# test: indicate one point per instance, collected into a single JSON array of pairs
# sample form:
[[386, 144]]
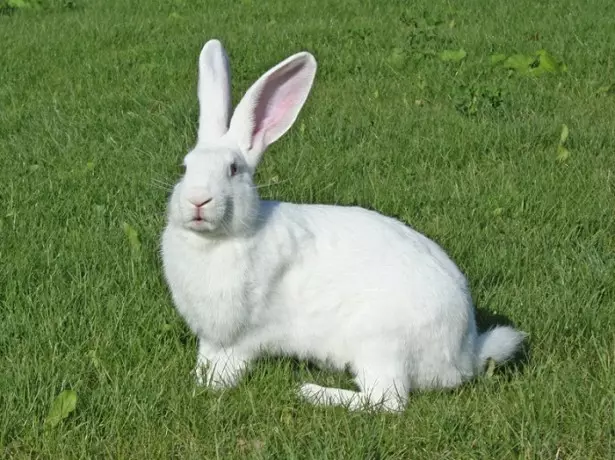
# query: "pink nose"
[[200, 203]]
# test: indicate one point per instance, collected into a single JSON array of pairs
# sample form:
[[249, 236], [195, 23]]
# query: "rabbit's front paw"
[[219, 372]]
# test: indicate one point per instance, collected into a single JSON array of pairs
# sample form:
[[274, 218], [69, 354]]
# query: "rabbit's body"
[[343, 286]]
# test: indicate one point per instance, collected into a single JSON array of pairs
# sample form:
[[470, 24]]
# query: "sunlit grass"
[[97, 108]]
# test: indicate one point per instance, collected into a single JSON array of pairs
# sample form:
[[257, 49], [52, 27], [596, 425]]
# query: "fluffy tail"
[[499, 344]]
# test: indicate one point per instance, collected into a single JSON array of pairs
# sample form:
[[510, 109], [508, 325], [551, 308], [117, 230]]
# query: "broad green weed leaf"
[[519, 62], [133, 237], [17, 4], [564, 135], [453, 55], [606, 89], [546, 64], [64, 404], [497, 58], [537, 64], [562, 153]]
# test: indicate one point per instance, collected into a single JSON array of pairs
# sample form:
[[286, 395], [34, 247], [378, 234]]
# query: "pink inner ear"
[[273, 116], [278, 103]]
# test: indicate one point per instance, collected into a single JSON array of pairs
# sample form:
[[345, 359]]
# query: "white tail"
[[499, 344]]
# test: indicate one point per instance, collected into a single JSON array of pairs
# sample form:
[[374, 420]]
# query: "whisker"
[[161, 181], [270, 184], [167, 186], [162, 187], [225, 227]]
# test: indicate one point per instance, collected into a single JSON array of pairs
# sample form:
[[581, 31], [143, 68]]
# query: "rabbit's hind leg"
[[377, 391]]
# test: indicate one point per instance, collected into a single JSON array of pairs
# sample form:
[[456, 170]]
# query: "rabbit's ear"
[[271, 105], [214, 91]]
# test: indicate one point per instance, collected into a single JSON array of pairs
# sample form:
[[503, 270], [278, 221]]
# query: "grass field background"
[[97, 108]]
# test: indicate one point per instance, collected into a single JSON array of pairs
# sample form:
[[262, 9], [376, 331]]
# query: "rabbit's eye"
[[233, 168]]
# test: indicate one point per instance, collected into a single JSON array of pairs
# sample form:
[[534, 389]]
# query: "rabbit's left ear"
[[214, 91], [271, 105]]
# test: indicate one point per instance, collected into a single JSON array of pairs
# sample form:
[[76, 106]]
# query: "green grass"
[[97, 108]]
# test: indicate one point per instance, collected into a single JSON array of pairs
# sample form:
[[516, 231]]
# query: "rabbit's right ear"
[[214, 91]]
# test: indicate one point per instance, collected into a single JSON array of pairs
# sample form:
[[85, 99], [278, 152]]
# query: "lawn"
[[438, 113]]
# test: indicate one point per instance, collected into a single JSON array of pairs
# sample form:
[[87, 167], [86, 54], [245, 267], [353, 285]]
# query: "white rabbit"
[[338, 285]]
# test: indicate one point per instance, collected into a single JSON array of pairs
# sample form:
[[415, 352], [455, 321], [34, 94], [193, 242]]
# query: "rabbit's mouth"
[[199, 224], [198, 218]]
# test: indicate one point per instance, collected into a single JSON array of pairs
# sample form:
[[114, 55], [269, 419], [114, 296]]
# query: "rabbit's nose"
[[199, 202]]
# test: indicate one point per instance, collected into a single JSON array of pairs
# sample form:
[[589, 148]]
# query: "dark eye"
[[233, 168]]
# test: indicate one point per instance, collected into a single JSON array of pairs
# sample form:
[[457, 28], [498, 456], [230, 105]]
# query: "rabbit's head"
[[216, 195]]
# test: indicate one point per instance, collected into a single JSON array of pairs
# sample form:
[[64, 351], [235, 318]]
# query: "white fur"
[[338, 285]]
